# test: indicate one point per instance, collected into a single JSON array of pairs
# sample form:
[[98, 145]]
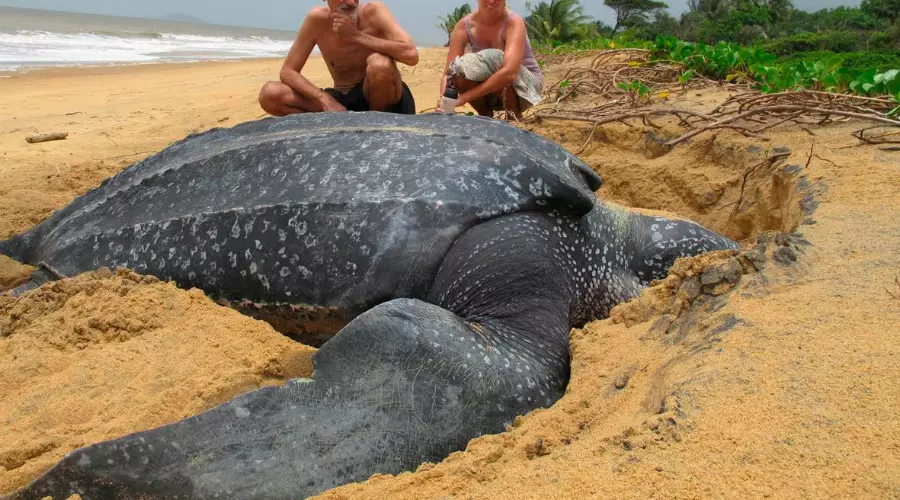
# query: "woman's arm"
[[513, 52], [458, 40]]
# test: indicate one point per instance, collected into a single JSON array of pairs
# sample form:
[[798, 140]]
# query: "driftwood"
[[55, 136]]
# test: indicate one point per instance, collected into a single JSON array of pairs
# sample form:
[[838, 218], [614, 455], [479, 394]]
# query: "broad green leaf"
[[893, 87]]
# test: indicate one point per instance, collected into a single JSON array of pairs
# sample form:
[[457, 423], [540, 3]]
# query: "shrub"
[[834, 41], [854, 61]]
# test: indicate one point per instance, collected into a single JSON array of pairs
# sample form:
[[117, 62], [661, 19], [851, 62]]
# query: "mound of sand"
[[102, 355]]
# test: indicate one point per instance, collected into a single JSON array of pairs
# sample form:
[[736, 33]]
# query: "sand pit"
[[772, 372]]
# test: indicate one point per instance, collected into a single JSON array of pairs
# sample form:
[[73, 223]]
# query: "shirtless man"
[[360, 44]]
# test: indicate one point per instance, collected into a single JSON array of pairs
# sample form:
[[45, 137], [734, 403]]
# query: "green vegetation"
[[450, 21], [635, 89], [558, 20], [728, 61], [853, 60], [731, 62], [633, 12], [768, 43]]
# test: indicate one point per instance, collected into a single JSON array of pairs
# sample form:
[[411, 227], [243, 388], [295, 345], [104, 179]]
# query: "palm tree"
[[449, 21], [710, 9], [557, 20]]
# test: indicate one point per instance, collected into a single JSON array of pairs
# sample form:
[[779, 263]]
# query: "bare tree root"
[[811, 155], [891, 137], [895, 293], [594, 76], [777, 111], [608, 68], [765, 164], [750, 114], [744, 102], [685, 116]]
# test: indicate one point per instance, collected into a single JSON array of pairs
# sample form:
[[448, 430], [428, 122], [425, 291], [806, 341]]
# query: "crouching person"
[[361, 45], [501, 72]]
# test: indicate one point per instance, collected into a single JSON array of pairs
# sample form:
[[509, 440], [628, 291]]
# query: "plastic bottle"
[[449, 100]]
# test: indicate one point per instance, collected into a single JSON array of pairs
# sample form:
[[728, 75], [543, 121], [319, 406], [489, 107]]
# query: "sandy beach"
[[118, 115], [780, 382]]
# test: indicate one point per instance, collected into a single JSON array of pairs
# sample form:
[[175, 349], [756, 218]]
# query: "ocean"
[[31, 39]]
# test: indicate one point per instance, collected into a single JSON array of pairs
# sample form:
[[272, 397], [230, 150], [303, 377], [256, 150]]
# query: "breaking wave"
[[33, 49]]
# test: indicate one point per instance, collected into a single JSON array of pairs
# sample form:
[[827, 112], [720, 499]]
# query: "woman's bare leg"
[[463, 85], [511, 103]]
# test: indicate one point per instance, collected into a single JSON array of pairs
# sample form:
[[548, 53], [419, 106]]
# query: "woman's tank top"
[[528, 58]]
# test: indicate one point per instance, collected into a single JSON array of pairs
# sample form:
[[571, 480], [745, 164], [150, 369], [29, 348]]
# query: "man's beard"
[[351, 12]]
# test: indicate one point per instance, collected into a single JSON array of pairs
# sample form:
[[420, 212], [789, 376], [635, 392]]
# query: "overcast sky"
[[418, 17]]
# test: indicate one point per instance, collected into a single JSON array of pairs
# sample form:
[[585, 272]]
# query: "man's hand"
[[329, 103], [344, 26]]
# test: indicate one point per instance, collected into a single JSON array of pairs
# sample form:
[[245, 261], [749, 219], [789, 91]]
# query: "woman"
[[501, 67]]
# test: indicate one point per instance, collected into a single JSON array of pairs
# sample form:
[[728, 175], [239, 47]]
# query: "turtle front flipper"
[[656, 242], [404, 383]]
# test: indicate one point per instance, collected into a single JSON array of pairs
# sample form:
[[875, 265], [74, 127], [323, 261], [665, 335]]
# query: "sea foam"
[[33, 49]]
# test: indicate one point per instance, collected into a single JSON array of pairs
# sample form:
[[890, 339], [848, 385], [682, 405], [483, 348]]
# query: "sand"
[[773, 372]]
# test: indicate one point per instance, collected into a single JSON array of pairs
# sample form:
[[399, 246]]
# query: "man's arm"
[[398, 45], [513, 53], [312, 26]]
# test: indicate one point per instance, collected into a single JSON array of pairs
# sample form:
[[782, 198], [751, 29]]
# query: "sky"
[[418, 17]]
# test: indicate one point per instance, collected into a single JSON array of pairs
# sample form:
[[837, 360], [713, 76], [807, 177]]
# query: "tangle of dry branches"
[[750, 113], [607, 68]]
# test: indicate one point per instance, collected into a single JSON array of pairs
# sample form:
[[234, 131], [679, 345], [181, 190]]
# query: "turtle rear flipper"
[[43, 274], [404, 383]]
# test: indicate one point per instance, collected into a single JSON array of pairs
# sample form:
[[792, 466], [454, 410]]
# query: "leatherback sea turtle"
[[454, 254]]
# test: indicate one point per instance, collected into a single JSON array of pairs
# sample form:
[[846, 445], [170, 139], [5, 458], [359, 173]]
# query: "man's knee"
[[379, 67], [271, 94]]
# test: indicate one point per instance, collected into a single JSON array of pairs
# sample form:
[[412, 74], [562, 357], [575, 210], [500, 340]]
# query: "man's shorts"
[[355, 100]]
